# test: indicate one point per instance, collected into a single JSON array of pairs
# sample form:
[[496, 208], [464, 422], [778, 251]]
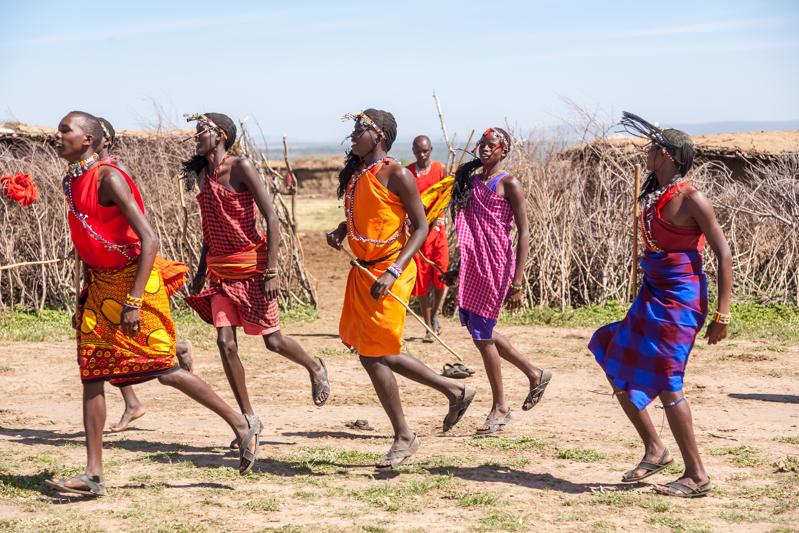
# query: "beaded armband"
[[722, 318], [271, 273], [394, 270], [132, 301]]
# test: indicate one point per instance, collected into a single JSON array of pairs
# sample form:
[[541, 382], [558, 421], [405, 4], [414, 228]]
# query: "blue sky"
[[298, 66]]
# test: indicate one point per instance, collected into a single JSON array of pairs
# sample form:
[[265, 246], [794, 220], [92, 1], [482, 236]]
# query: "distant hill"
[[733, 126]]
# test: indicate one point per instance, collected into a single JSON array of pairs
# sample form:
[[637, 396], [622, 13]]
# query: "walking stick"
[[636, 215], [463, 153], [354, 262]]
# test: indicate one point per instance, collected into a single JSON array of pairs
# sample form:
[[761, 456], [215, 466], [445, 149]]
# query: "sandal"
[[244, 446], [436, 326], [681, 490], [462, 404], [494, 425], [428, 337], [397, 456], [93, 489], [320, 387], [535, 394], [360, 425], [456, 371], [234, 444], [650, 468]]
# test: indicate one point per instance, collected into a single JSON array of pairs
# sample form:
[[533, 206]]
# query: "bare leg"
[[291, 350], [234, 370], [653, 446], [681, 424], [509, 353], [493, 366], [184, 352], [199, 391], [133, 409], [385, 385], [93, 424], [440, 295], [424, 303], [413, 369]]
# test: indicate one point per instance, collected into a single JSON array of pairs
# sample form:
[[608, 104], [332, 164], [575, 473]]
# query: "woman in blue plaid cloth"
[[645, 354]]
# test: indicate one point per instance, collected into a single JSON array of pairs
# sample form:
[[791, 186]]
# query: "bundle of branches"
[[39, 231], [579, 213]]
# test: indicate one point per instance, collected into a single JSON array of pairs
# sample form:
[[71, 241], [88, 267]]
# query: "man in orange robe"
[[378, 195], [435, 249]]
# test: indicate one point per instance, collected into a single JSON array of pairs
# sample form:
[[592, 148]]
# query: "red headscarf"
[[20, 188]]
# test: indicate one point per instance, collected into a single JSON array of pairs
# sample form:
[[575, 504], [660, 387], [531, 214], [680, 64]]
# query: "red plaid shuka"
[[229, 229]]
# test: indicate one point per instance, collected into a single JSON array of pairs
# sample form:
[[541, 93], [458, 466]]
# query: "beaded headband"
[[105, 131], [364, 120], [499, 133], [203, 119]]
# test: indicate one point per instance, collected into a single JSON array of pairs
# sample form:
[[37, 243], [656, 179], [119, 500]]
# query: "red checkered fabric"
[[229, 226], [486, 250]]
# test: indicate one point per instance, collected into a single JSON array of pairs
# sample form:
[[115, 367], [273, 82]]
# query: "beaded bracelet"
[[394, 270], [271, 273], [516, 288], [132, 301], [722, 318]]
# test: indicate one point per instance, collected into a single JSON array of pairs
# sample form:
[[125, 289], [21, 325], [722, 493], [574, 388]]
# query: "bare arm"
[[114, 189], [199, 276], [245, 171], [701, 211]]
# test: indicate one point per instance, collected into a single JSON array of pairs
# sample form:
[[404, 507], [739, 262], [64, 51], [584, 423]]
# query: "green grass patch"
[[738, 517], [503, 521], [581, 455], [743, 456], [318, 214], [479, 499], [263, 505], [373, 529], [678, 525], [506, 443], [405, 496], [326, 459], [788, 440], [590, 315], [30, 326]]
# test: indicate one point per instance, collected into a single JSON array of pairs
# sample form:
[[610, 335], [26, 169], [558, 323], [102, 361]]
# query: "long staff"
[[354, 262], [636, 216]]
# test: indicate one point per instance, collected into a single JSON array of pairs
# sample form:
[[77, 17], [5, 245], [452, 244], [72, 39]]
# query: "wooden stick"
[[293, 184], [636, 214], [28, 263], [429, 262], [354, 262], [466, 148], [441, 119]]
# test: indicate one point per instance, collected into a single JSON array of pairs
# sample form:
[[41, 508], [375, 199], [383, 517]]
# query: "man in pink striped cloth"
[[484, 206]]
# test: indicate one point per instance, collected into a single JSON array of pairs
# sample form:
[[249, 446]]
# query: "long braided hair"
[[462, 188], [388, 126], [677, 143], [191, 168]]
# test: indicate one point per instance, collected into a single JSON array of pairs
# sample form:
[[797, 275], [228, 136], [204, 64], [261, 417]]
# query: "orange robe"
[[374, 327]]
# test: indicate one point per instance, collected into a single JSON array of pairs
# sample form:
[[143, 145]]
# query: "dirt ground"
[[555, 468]]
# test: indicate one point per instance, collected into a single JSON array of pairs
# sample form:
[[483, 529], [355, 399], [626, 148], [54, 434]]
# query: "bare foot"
[[130, 414]]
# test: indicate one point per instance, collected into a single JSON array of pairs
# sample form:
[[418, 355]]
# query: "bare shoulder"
[[512, 183], [396, 170], [693, 197]]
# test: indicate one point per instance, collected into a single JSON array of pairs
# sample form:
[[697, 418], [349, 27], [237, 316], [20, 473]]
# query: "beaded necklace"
[[421, 173], [75, 171], [349, 196], [213, 176], [648, 213]]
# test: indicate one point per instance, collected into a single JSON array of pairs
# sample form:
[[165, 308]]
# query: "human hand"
[[514, 300], [271, 287], [131, 321], [450, 278], [716, 332], [382, 285], [197, 283], [336, 237]]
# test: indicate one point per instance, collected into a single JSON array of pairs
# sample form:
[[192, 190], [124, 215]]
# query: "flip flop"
[[397, 456], [319, 387], [650, 468], [360, 425], [681, 490], [428, 338], [535, 395], [456, 371], [494, 425], [462, 404], [244, 450], [234, 444], [95, 488]]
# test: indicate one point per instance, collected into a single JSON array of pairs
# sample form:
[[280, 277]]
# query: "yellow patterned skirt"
[[104, 352]]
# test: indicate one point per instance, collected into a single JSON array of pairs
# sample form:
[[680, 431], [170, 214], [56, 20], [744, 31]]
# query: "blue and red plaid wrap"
[[646, 353]]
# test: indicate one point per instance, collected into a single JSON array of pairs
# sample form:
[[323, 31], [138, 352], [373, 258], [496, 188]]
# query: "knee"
[[274, 342], [171, 379], [227, 346], [369, 362]]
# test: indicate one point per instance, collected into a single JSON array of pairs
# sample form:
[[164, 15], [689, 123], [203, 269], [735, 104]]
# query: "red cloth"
[[229, 228], [665, 235], [433, 176], [108, 222], [20, 188], [436, 246]]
